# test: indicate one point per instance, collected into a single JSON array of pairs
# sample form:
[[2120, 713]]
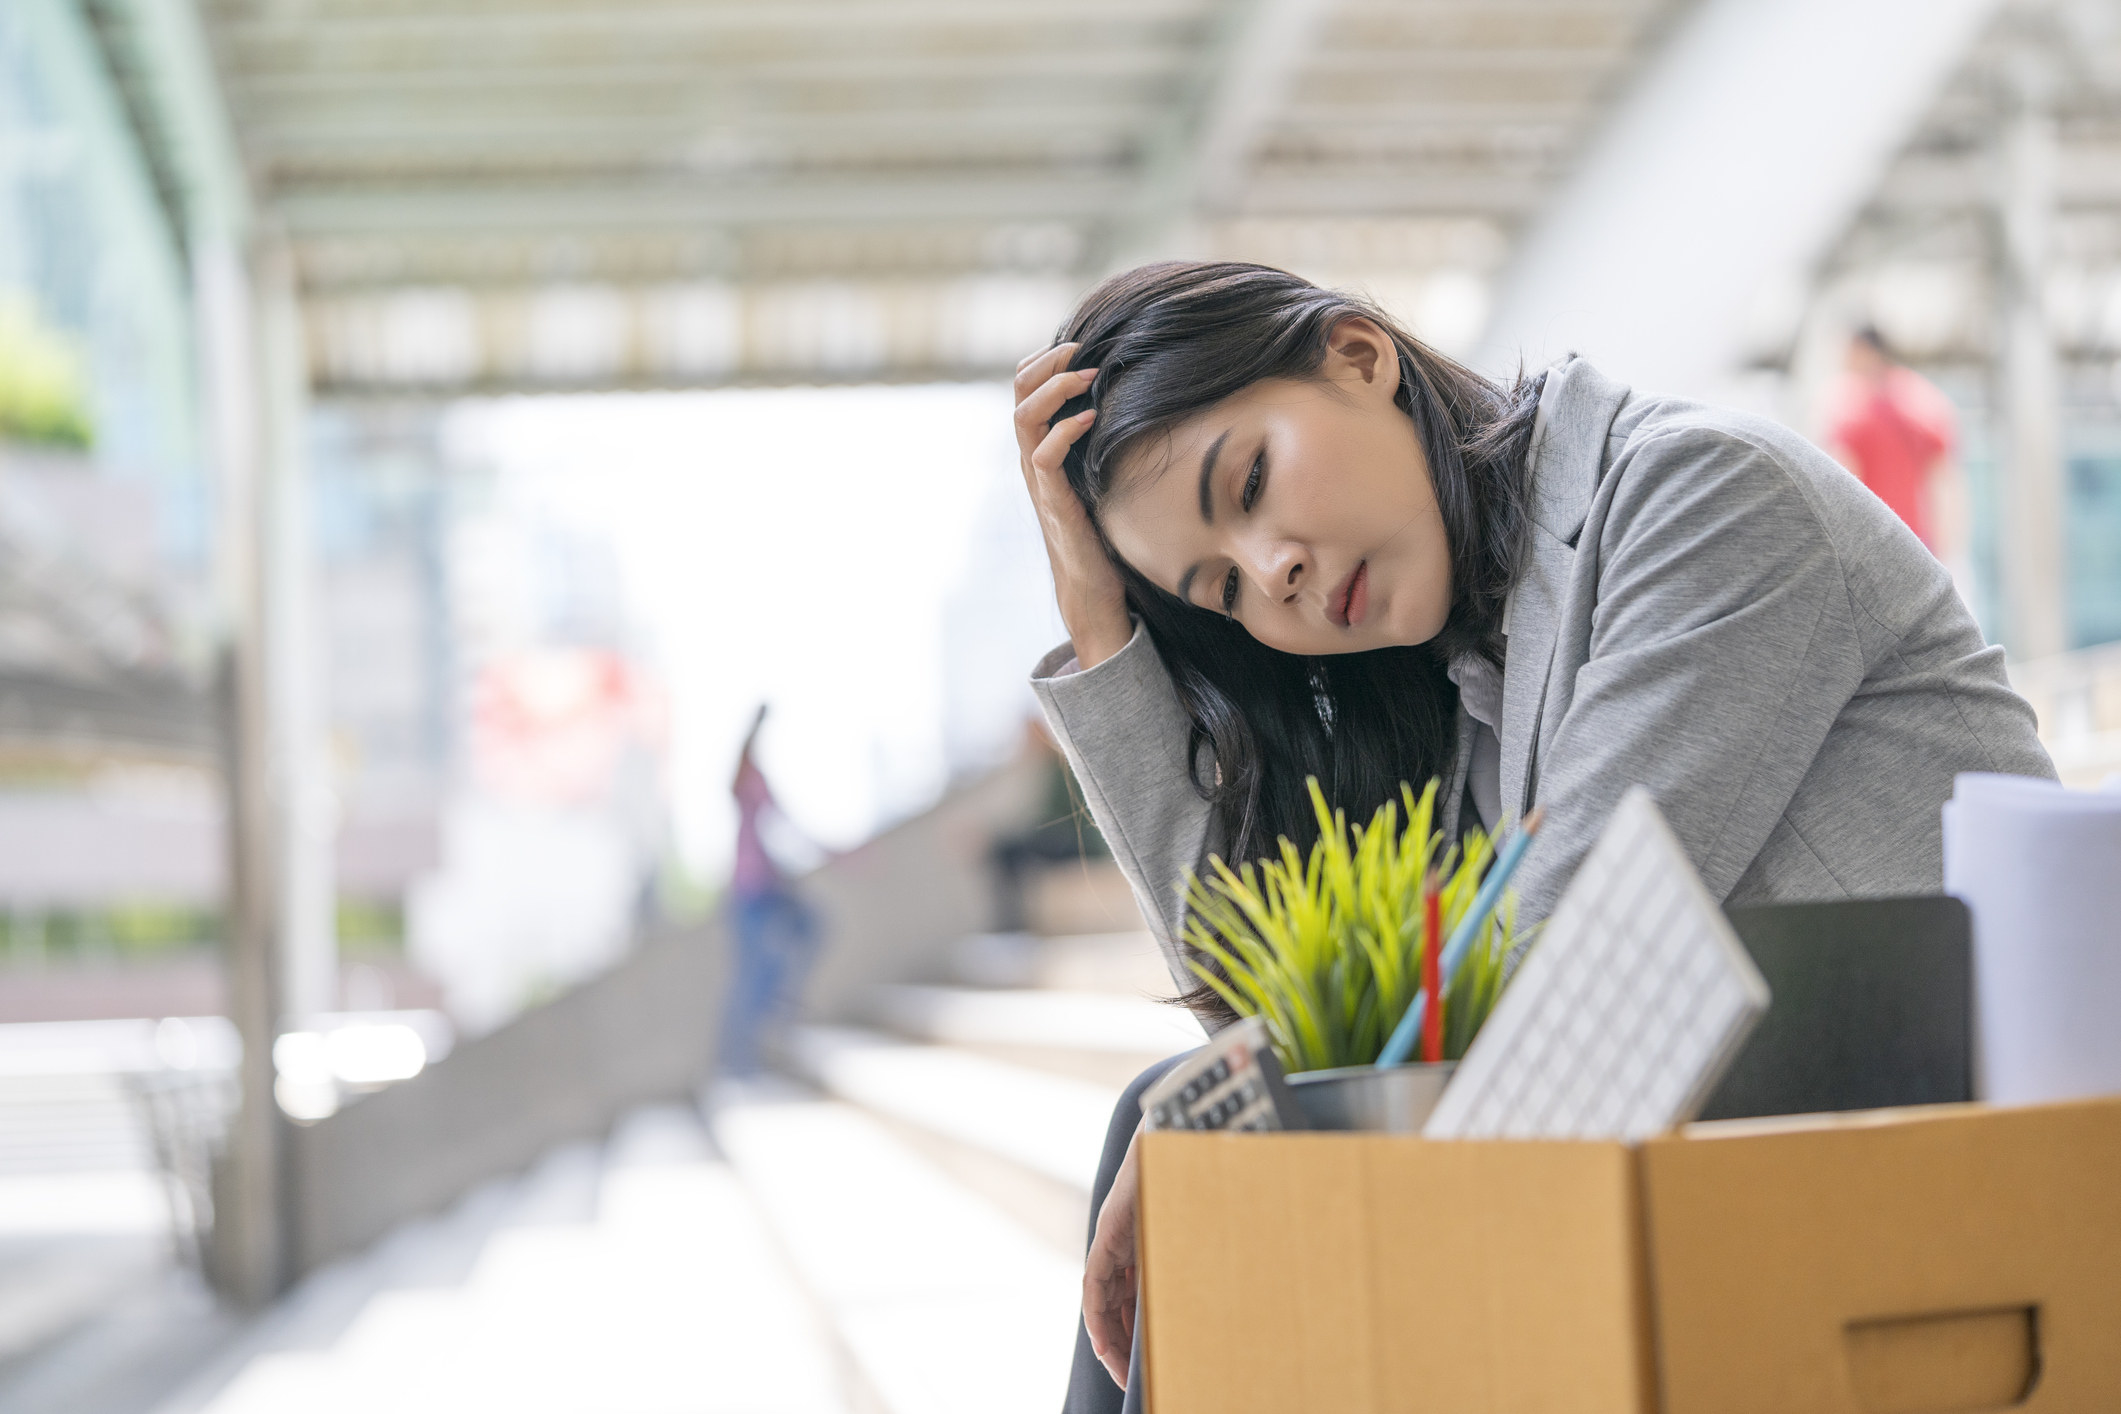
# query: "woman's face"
[[1302, 509]]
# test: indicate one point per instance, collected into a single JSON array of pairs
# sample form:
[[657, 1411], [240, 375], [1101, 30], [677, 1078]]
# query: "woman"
[[1289, 540]]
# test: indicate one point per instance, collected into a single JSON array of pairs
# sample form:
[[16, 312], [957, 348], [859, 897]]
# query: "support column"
[[295, 648], [247, 1257], [2035, 552], [282, 951]]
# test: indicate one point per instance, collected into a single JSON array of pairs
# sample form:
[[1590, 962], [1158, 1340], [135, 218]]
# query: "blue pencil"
[[1401, 1043]]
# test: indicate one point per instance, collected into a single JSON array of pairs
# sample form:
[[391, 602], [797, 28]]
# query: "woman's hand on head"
[[1110, 1284], [1093, 602]]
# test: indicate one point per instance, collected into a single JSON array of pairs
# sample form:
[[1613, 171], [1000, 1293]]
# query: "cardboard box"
[[1895, 1262]]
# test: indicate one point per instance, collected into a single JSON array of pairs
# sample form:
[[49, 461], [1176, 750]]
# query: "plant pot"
[[1395, 1101]]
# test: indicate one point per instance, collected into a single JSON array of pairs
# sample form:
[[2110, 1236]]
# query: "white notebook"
[[1626, 1012]]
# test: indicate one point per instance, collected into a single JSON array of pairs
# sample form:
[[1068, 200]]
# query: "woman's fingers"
[[1108, 1305], [1043, 383], [1108, 1317], [1038, 406], [1042, 365], [1108, 1276], [1051, 452], [1092, 598]]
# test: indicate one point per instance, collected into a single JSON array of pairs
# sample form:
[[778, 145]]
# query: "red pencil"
[[1432, 970]]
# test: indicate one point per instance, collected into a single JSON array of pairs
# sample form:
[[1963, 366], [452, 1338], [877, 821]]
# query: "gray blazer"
[[1709, 606]]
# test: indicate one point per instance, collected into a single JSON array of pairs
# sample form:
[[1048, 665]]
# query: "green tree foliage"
[[43, 390]]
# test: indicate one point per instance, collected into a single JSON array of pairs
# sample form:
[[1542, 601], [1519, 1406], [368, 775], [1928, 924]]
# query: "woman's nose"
[[1281, 567]]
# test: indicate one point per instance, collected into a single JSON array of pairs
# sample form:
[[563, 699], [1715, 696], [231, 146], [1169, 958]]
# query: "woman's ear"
[[1362, 358]]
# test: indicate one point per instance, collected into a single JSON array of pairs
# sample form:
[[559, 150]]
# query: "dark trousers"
[[776, 941], [1090, 1389]]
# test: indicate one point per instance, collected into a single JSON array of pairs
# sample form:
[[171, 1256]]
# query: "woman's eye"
[[1230, 590], [1259, 471]]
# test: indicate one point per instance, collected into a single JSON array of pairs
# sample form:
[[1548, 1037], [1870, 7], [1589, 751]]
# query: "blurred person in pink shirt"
[[1898, 432], [774, 933]]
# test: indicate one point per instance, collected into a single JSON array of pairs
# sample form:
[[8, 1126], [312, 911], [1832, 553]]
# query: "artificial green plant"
[[1327, 949]]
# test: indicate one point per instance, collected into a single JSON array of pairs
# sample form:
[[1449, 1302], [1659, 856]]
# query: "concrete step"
[[945, 1305], [1051, 1124], [635, 1278], [1051, 1019], [1124, 964]]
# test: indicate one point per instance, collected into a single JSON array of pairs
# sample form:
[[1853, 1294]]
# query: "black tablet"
[[1873, 1007]]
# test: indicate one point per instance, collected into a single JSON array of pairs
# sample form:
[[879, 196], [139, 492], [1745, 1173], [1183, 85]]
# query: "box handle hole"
[[1944, 1361]]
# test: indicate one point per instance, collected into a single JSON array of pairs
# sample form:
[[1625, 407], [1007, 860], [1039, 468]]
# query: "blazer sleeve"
[[1125, 734], [1720, 651]]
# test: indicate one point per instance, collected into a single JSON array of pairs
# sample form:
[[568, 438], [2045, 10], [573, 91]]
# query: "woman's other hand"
[[1110, 1281], [1093, 603]]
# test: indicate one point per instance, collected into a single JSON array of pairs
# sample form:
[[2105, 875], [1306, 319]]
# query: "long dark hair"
[[1170, 340]]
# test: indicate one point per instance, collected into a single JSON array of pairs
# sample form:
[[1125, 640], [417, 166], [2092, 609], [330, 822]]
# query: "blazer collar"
[[1563, 467], [1568, 453]]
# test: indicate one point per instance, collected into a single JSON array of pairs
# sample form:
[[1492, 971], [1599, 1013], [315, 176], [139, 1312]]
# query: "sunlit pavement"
[[823, 1265], [97, 1310], [945, 1305], [893, 1228], [637, 1279]]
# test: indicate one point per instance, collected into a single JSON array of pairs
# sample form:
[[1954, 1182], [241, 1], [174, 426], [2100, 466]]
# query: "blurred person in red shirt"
[[1897, 432]]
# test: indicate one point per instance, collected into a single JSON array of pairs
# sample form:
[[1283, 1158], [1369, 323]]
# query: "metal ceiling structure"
[[546, 193], [1928, 253]]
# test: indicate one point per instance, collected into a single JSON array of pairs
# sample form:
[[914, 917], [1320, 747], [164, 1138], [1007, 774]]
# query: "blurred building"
[[107, 847], [556, 824]]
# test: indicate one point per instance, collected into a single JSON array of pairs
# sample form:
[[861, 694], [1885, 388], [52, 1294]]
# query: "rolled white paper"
[[2039, 867]]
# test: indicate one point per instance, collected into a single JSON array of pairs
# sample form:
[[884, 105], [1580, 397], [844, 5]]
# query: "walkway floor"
[[896, 1228]]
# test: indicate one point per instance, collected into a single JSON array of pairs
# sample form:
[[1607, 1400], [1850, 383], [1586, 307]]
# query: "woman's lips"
[[1351, 600]]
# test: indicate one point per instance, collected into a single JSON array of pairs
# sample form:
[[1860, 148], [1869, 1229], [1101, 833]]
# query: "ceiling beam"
[[612, 205], [562, 212], [332, 25], [1197, 161], [2087, 175], [854, 73], [1390, 23], [1395, 189], [1329, 118], [494, 63], [579, 333], [296, 126], [333, 17], [421, 130], [1446, 234]]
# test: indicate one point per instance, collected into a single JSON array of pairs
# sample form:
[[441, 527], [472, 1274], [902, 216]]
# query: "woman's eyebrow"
[[1207, 477]]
